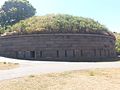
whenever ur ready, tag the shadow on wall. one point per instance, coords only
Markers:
(80, 59)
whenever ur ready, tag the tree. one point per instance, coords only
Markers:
(117, 42)
(15, 10)
(118, 46)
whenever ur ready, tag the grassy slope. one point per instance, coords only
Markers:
(60, 23)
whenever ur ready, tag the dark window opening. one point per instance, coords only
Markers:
(16, 54)
(73, 53)
(108, 52)
(105, 52)
(81, 52)
(32, 54)
(100, 53)
(40, 53)
(94, 52)
(65, 53)
(57, 53)
(24, 54)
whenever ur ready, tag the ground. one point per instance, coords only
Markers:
(44, 75)
(95, 79)
(8, 65)
(27, 67)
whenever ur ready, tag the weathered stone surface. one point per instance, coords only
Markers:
(73, 47)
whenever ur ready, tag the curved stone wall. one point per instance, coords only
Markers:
(70, 47)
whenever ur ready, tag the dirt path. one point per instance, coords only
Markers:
(34, 67)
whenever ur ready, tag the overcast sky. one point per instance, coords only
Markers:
(107, 12)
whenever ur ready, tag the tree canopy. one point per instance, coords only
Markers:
(117, 44)
(15, 10)
(59, 23)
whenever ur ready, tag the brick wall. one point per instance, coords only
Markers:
(70, 47)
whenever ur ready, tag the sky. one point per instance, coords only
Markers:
(107, 12)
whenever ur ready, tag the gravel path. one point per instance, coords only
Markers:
(34, 67)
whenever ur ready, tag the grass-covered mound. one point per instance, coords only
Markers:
(59, 23)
